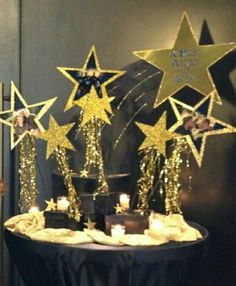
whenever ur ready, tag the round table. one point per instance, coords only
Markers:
(49, 264)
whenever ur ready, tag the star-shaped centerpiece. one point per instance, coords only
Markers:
(157, 135)
(56, 136)
(186, 64)
(89, 75)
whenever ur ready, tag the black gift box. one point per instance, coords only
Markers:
(61, 220)
(101, 204)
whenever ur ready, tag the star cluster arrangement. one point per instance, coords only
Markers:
(185, 65)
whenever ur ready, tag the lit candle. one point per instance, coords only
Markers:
(124, 201)
(155, 224)
(117, 230)
(62, 204)
(34, 209)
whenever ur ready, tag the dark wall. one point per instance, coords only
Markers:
(37, 36)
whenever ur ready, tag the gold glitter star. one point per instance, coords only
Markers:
(84, 173)
(56, 136)
(202, 124)
(90, 75)
(51, 206)
(93, 106)
(90, 224)
(23, 118)
(157, 135)
(119, 209)
(186, 64)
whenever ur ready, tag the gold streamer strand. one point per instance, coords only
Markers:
(23, 201)
(27, 173)
(94, 161)
(171, 172)
(63, 168)
(32, 169)
(148, 170)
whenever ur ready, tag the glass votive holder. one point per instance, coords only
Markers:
(33, 209)
(155, 224)
(62, 204)
(124, 201)
(117, 230)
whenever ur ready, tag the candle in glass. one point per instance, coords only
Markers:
(155, 224)
(124, 201)
(34, 209)
(62, 204)
(117, 230)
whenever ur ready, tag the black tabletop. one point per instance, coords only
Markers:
(49, 264)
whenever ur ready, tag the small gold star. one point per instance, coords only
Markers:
(119, 209)
(56, 136)
(157, 135)
(90, 224)
(51, 206)
(84, 173)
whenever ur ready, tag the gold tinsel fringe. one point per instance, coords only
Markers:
(63, 168)
(148, 170)
(27, 173)
(171, 172)
(94, 161)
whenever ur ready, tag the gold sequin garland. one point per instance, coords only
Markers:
(93, 158)
(171, 177)
(63, 168)
(148, 166)
(27, 173)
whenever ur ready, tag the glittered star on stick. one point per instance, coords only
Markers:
(24, 118)
(56, 136)
(157, 135)
(94, 107)
(196, 124)
(89, 75)
(186, 64)
(51, 206)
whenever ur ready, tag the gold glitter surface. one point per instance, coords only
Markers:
(186, 64)
(94, 107)
(56, 136)
(157, 135)
(43, 108)
(92, 53)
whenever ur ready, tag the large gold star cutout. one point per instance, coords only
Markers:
(157, 135)
(196, 124)
(186, 64)
(56, 136)
(94, 107)
(24, 118)
(89, 75)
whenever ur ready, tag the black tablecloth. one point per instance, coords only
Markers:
(49, 264)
